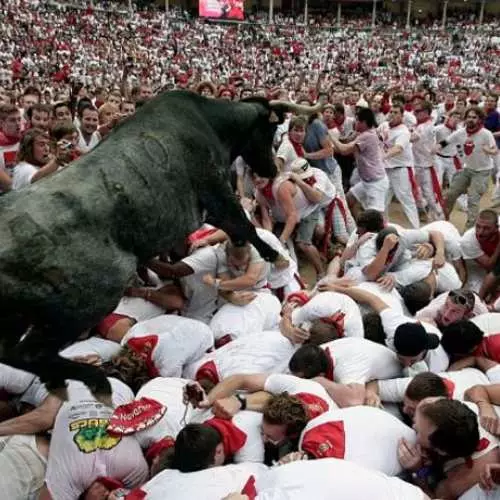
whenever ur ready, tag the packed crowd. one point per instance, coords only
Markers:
(232, 377)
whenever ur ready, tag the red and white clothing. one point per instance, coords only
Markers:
(169, 342)
(210, 484)
(332, 307)
(346, 480)
(103, 348)
(457, 382)
(361, 434)
(14, 381)
(312, 394)
(8, 154)
(451, 237)
(86, 147)
(393, 298)
(22, 174)
(81, 450)
(232, 321)
(288, 153)
(201, 298)
(447, 160)
(356, 360)
(473, 143)
(264, 352)
(399, 169)
(490, 346)
(436, 359)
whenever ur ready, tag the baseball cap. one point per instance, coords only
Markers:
(410, 339)
(301, 167)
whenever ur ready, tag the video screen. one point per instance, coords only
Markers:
(222, 9)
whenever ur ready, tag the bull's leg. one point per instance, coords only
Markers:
(37, 353)
(226, 213)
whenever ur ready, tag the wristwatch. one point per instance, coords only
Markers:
(242, 400)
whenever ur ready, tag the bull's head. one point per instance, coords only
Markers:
(257, 151)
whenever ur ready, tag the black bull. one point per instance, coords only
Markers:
(70, 244)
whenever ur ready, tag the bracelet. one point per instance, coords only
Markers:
(242, 400)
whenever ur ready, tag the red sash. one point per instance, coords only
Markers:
(208, 370)
(457, 163)
(331, 365)
(436, 187)
(413, 182)
(329, 221)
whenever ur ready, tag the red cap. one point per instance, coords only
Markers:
(233, 439)
(135, 416)
(337, 320)
(314, 405)
(144, 347)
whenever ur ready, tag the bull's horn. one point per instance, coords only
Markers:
(297, 108)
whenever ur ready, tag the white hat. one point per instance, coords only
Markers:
(362, 104)
(301, 167)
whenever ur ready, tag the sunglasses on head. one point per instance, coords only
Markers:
(460, 299)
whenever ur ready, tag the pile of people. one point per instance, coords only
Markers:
(375, 373)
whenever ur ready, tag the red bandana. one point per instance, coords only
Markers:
(447, 125)
(449, 106)
(474, 130)
(233, 439)
(7, 140)
(310, 181)
(489, 247)
(144, 347)
(337, 320)
(267, 191)
(135, 416)
(299, 149)
(156, 448)
(314, 405)
(450, 387)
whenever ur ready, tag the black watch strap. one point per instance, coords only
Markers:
(242, 400)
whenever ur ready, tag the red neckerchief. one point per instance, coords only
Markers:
(475, 130)
(449, 106)
(7, 140)
(447, 125)
(330, 124)
(267, 191)
(481, 446)
(310, 181)
(339, 123)
(299, 149)
(489, 247)
(408, 106)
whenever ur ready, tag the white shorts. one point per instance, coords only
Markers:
(22, 468)
(371, 195)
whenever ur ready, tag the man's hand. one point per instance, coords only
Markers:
(491, 423)
(387, 282)
(424, 251)
(335, 284)
(293, 333)
(409, 456)
(188, 395)
(226, 408)
(373, 399)
(489, 478)
(242, 298)
(89, 359)
(438, 261)
(294, 456)
(390, 241)
(208, 279)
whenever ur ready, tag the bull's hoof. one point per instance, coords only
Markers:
(281, 263)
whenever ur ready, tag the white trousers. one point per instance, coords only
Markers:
(400, 186)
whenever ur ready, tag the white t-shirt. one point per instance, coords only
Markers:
(286, 152)
(424, 145)
(317, 479)
(471, 250)
(324, 305)
(210, 484)
(357, 360)
(201, 298)
(457, 382)
(396, 136)
(22, 175)
(442, 133)
(81, 450)
(264, 352)
(475, 158)
(168, 392)
(393, 298)
(8, 156)
(169, 342)
(451, 238)
(14, 381)
(138, 309)
(263, 313)
(361, 434)
(95, 139)
(436, 359)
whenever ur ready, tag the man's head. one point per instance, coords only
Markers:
(198, 447)
(423, 385)
(238, 257)
(89, 120)
(39, 116)
(416, 296)
(127, 108)
(10, 121)
(65, 131)
(31, 96)
(145, 92)
(34, 147)
(284, 417)
(423, 110)
(486, 225)
(458, 305)
(382, 235)
(365, 119)
(309, 361)
(370, 221)
(474, 116)
(62, 112)
(411, 343)
(461, 338)
(446, 428)
(491, 102)
(115, 99)
(453, 118)
(396, 115)
(297, 129)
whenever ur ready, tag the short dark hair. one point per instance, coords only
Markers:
(339, 108)
(426, 385)
(321, 332)
(284, 409)
(310, 360)
(373, 328)
(461, 337)
(489, 215)
(457, 429)
(474, 109)
(371, 220)
(366, 115)
(41, 108)
(31, 90)
(379, 240)
(62, 129)
(195, 448)
(416, 296)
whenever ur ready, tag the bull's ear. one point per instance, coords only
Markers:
(273, 117)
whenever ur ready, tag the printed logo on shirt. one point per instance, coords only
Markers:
(9, 159)
(91, 435)
(469, 147)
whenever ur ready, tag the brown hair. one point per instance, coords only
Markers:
(283, 409)
(297, 121)
(62, 129)
(26, 146)
(7, 109)
(426, 385)
(474, 109)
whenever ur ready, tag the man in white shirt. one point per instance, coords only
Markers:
(480, 149)
(395, 137)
